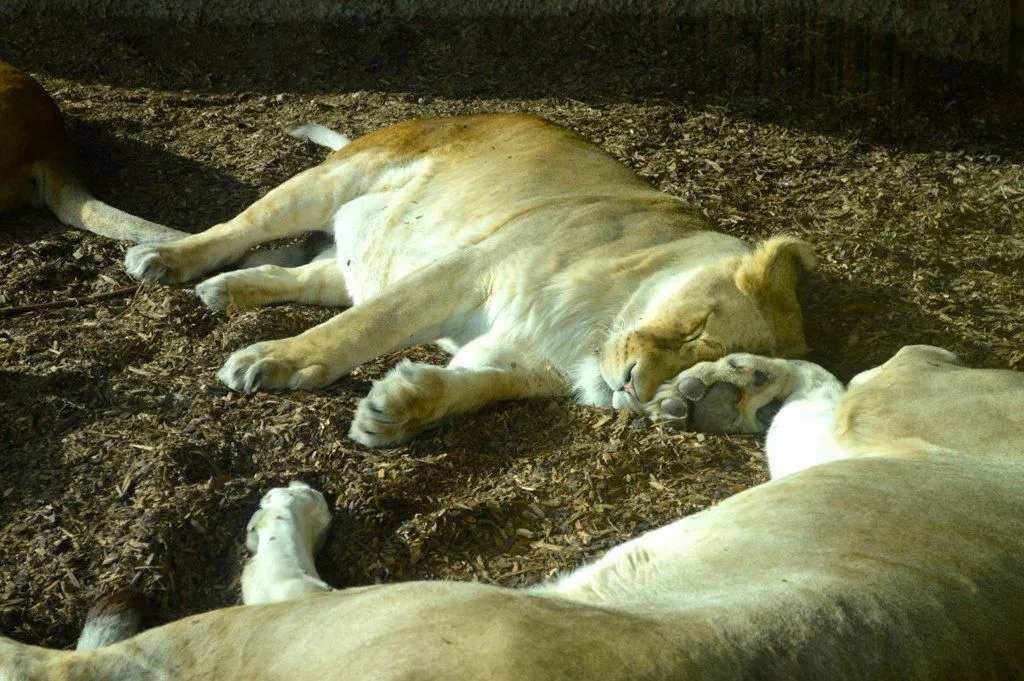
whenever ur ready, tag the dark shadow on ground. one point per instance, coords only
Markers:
(596, 60)
(854, 325)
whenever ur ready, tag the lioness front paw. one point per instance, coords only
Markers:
(671, 403)
(271, 365)
(739, 393)
(402, 404)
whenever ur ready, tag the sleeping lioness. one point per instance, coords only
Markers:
(38, 166)
(541, 263)
(889, 546)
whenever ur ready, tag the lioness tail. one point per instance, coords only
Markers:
(318, 134)
(62, 191)
(114, 617)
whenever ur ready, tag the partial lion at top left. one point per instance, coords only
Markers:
(38, 166)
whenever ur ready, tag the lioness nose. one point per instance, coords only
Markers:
(627, 381)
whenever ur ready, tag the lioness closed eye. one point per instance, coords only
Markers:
(541, 263)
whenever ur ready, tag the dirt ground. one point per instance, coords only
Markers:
(123, 461)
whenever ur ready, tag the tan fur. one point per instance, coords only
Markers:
(923, 400)
(543, 264)
(37, 165)
(32, 136)
(882, 565)
(770, 277)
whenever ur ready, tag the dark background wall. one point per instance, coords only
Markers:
(835, 45)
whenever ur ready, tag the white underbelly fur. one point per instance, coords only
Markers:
(367, 259)
(393, 230)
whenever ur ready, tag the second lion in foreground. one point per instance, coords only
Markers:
(889, 546)
(540, 262)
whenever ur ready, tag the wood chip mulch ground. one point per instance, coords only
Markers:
(124, 462)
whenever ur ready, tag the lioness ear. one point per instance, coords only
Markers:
(769, 276)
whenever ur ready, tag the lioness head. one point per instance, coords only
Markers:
(740, 304)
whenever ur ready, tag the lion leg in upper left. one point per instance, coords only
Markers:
(283, 536)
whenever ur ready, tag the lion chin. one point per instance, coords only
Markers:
(541, 263)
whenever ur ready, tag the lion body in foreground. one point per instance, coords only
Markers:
(884, 549)
(544, 266)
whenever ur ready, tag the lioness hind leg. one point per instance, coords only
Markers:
(303, 203)
(283, 536)
(624, 570)
(316, 283)
(414, 397)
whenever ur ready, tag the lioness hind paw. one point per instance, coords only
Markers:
(215, 294)
(165, 262)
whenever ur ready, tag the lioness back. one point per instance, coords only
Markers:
(500, 142)
(507, 161)
(506, 180)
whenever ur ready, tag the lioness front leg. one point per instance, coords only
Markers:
(414, 397)
(417, 309)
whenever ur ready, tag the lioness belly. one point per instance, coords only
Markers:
(410, 216)
(381, 236)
